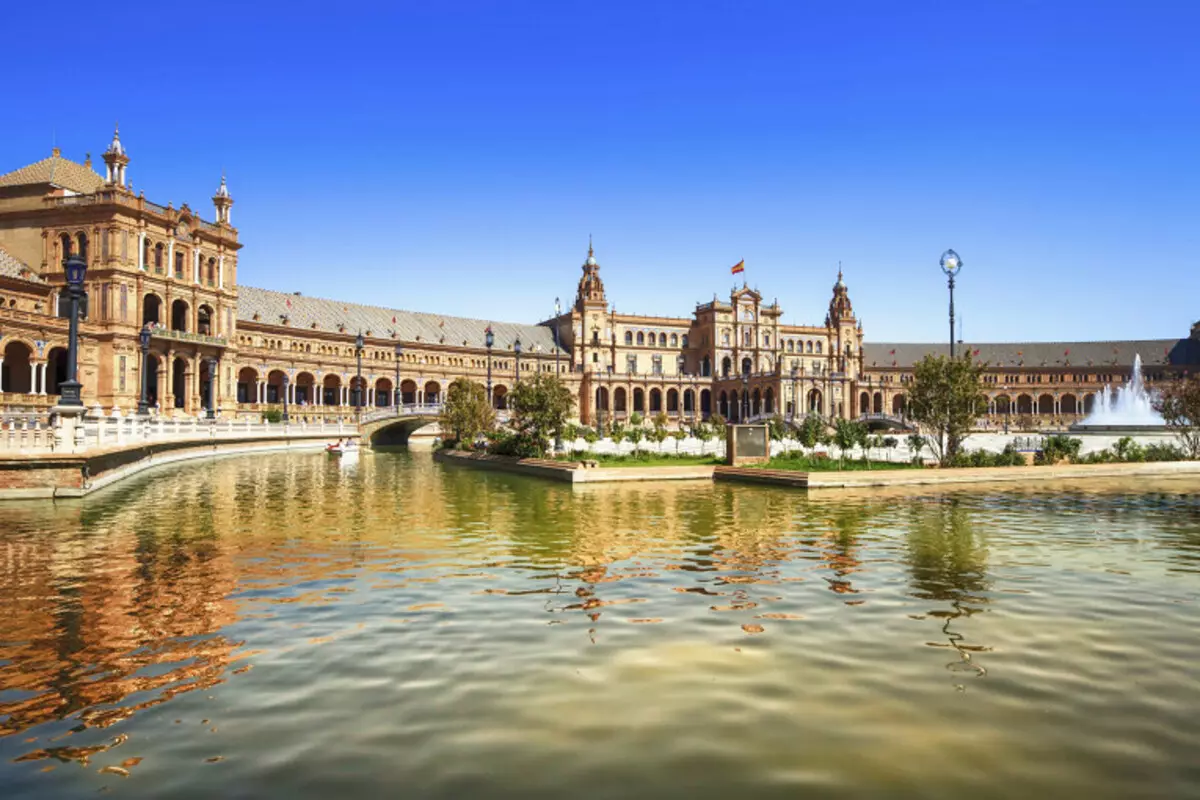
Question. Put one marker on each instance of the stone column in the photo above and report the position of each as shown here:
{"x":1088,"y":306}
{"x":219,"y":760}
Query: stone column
{"x":1,"y":372}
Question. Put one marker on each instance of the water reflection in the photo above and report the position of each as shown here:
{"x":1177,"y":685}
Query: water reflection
{"x":190,"y":627}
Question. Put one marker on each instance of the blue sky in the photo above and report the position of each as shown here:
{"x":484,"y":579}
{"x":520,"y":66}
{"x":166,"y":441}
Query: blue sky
{"x":453,"y":157}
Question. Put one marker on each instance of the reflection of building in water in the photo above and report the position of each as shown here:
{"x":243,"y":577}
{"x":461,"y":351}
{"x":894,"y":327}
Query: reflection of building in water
{"x":91,"y":610}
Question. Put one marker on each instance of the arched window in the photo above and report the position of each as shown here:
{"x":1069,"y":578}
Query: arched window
{"x":210,"y":273}
{"x":818,"y":348}
{"x":748,"y":338}
{"x":66,"y":246}
{"x":808,"y":346}
{"x":747,"y":366}
{"x":641,"y":339}
{"x":83,"y":245}
{"x":791,"y":346}
{"x":158,"y":258}
{"x":674,"y":340}
{"x":628,"y":337}
{"x":683,"y":341}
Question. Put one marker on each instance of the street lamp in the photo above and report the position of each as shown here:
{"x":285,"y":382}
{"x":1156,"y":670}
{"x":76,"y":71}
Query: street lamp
{"x":359,"y":344}
{"x":517,"y":350}
{"x":144,"y":398}
{"x":286,"y":381}
{"x":745,"y":397}
{"x":489,"y":339}
{"x":213,"y":367}
{"x":795,"y":391}
{"x":557,"y":314}
{"x":398,"y":396}
{"x":76,"y":269}
{"x":951,"y":264}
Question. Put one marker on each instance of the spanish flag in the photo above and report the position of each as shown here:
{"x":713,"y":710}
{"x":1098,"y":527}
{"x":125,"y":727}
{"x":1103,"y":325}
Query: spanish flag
{"x":738,"y":267}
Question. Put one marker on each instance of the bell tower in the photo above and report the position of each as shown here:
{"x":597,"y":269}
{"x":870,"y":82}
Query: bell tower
{"x":845,"y":331}
{"x":589,"y":318}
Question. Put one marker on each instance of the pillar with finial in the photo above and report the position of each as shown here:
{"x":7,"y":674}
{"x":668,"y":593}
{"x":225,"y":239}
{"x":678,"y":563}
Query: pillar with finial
{"x":115,"y":160}
{"x":222,"y":202}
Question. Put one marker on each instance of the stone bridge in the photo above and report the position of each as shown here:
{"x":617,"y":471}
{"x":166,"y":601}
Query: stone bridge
{"x":397,"y":424}
{"x":884,"y":422}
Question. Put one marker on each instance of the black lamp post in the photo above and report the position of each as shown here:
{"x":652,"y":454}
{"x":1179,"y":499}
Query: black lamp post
{"x":359,"y":344}
{"x":286,"y":381}
{"x":399,"y":353}
{"x":951,"y":264}
{"x":144,"y":398}
{"x":213,"y":371}
{"x":517,"y":350}
{"x":795,"y":391}
{"x":557,"y":314}
{"x":745,"y":397}
{"x":489,"y":339}
{"x":76,"y":269}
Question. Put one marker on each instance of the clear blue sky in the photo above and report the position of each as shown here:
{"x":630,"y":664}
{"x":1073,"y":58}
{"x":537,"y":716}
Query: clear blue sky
{"x":454,"y":157}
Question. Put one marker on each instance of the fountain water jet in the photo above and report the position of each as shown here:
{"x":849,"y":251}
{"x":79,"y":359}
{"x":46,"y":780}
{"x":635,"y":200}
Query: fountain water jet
{"x":1128,"y":407}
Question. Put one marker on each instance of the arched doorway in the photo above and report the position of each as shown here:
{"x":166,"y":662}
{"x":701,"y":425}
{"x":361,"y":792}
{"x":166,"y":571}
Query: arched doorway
{"x":726,"y":366}
{"x":150,"y":380}
{"x":756,"y":406}
{"x":433,"y":392}
{"x":1046,"y":405}
{"x":639,"y":401}
{"x":1089,"y":402}
{"x":56,"y":371}
{"x":151,"y":310}
{"x":619,"y":400}
{"x":899,"y":405}
{"x":247,"y":385}
{"x":705,"y":402}
{"x":723,"y":405}
{"x":16,"y":373}
{"x":864,"y":403}
{"x":1003,"y":404}
{"x":204,"y":320}
{"x":815,"y":403}
{"x":672,"y":401}
{"x":275,"y":379}
{"x":331,"y":391}
{"x":383,"y":393}
{"x":1069,"y":404}
{"x":179,"y":382}
{"x":655,"y":401}
{"x":303,"y":391}
{"x":408,"y":392}
{"x":1024,"y":404}
{"x":878,"y":405}
{"x":769,"y":401}
{"x":689,"y":401}
{"x":500,"y":397}
{"x":601,"y":398}
{"x":179,"y":316}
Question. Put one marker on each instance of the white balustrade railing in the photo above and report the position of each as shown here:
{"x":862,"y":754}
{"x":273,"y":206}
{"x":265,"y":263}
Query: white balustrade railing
{"x":28,"y":433}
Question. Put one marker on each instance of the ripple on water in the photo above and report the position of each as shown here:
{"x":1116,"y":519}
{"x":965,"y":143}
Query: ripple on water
{"x":281,"y":627}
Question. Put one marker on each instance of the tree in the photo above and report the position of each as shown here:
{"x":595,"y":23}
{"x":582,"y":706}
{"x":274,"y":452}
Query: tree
{"x":540,"y":405}
{"x":846,"y":434}
{"x":659,"y":433}
{"x":945,"y":398}
{"x":466,"y":414}
{"x":811,"y":430}
{"x":1179,"y":404}
{"x":916,"y":443}
{"x":890,"y":442}
{"x":776,"y":428}
{"x":717,"y":421}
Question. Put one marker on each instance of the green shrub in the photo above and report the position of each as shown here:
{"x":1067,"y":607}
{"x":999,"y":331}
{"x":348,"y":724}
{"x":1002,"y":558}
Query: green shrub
{"x":1056,"y":448}
{"x":1126,"y":449}
{"x":589,"y":435}
{"x":272,"y":415}
{"x":1164,"y":452}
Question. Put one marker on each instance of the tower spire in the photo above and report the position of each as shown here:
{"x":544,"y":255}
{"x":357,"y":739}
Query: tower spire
{"x":222,"y":202}
{"x":115,"y":159}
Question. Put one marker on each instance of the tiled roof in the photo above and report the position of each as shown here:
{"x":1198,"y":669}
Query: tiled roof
{"x":410,"y":326}
{"x":11,"y":267}
{"x":57,"y":171}
{"x":1042,"y":354}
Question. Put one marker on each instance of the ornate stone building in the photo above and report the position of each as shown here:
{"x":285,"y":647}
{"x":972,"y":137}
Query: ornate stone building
{"x":169,"y":269}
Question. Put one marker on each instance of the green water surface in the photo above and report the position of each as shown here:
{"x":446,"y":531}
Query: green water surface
{"x":290,"y":626}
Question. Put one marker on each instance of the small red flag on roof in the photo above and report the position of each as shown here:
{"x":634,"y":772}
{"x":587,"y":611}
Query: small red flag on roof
{"x":893,"y":352}
{"x":393,"y":319}
{"x":1067,"y":352}
{"x":289,"y":302}
{"x":738,"y":267}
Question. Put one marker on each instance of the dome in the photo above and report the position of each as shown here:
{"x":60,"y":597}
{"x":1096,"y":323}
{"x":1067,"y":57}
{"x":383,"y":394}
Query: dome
{"x":115,"y":148}
{"x":222,"y":190}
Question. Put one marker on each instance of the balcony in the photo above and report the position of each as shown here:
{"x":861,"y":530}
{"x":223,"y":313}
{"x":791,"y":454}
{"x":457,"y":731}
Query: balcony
{"x":193,"y":338}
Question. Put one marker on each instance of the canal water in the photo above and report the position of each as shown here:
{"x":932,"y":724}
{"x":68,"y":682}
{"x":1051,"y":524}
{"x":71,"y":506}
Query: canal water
{"x":287,"y":626}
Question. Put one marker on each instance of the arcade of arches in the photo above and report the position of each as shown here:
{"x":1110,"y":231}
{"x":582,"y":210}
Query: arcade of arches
{"x":214,"y":341}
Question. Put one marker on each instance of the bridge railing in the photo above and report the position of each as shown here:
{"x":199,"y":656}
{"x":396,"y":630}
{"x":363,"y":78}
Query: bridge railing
{"x":40,"y":433}
{"x":406,"y":410}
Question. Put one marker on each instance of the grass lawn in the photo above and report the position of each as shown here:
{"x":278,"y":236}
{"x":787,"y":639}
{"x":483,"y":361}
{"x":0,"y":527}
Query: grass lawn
{"x":805,"y":463}
{"x":646,"y":460}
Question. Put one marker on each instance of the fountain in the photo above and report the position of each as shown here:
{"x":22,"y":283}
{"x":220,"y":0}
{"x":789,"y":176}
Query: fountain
{"x":1129,"y":407}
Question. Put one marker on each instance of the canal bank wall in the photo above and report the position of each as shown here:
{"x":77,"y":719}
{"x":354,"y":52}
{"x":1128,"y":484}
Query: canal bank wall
{"x":571,"y":471}
{"x":575,"y":473}
{"x":65,"y":475}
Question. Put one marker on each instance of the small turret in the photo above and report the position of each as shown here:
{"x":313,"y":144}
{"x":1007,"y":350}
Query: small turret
{"x":591,"y":288}
{"x":223,"y":202}
{"x":115,"y":160}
